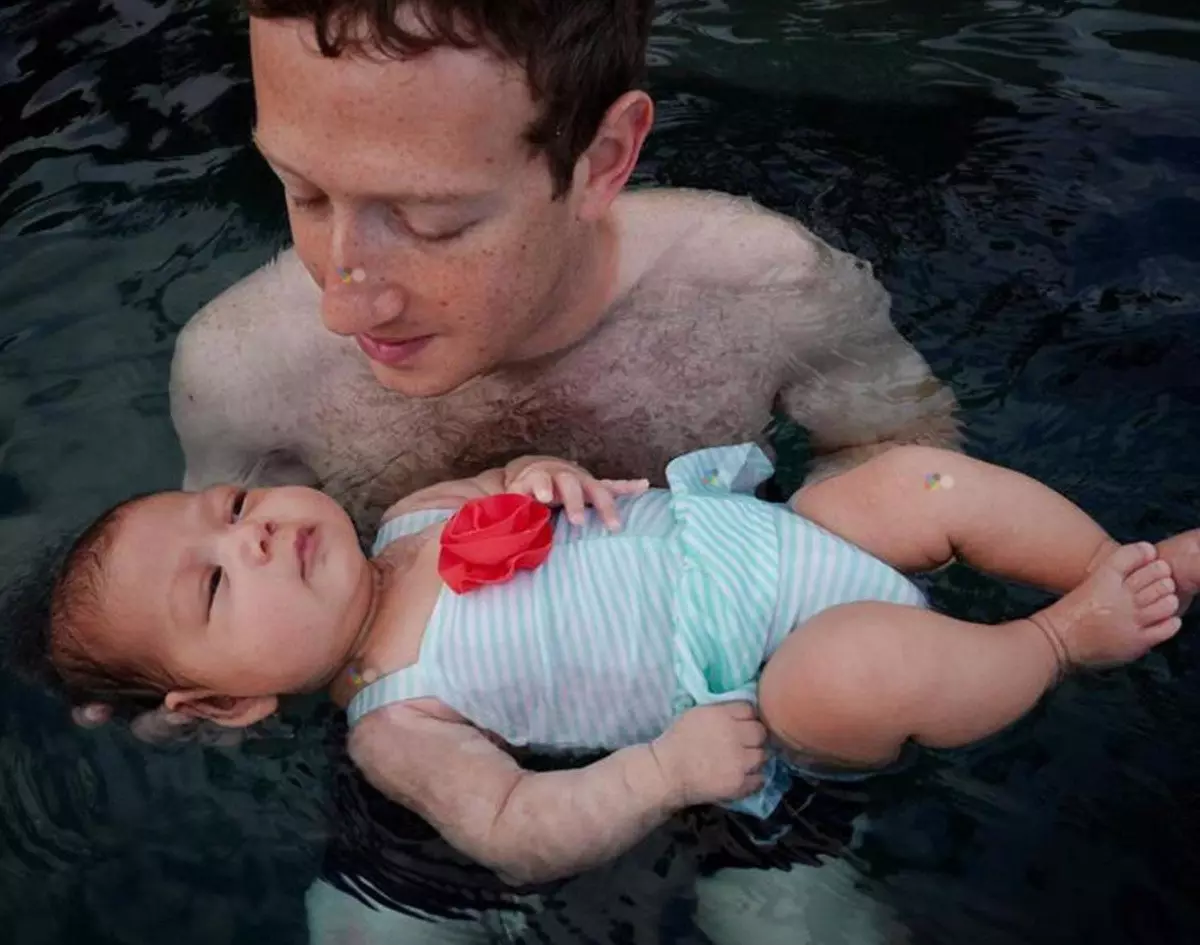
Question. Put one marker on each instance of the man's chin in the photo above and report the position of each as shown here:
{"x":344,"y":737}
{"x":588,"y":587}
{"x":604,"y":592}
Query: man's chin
{"x":419,"y":382}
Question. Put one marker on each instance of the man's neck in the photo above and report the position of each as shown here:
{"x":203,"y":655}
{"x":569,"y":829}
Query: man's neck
{"x":587,"y":292}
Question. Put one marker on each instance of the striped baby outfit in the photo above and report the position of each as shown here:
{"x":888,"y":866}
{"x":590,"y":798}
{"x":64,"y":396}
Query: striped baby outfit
{"x":616,"y":634}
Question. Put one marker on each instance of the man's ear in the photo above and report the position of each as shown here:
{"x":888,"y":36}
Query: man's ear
{"x":229,"y":711}
{"x":605,"y":166}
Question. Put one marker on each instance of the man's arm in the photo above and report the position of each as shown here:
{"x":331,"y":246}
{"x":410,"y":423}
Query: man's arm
{"x":853,"y":381}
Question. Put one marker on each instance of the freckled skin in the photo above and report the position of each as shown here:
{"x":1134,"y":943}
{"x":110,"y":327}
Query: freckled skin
{"x":618,"y":338}
{"x":684,"y":360}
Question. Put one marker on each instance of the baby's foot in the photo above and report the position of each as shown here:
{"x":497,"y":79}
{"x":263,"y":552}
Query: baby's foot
{"x":1126,"y":606}
{"x":1182,"y":553}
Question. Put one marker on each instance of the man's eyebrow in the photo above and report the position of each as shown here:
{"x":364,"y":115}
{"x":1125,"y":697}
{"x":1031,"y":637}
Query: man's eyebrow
{"x":404,"y":197}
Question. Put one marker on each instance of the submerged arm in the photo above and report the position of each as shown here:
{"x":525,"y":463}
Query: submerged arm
{"x":853,"y":381}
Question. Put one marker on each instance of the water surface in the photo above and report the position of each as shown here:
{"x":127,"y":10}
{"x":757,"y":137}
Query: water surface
{"x":1024,"y":176}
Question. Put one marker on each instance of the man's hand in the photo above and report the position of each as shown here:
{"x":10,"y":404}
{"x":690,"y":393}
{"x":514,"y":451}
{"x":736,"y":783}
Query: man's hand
{"x":559,"y":482}
{"x":158,"y":726}
{"x":714,"y":753}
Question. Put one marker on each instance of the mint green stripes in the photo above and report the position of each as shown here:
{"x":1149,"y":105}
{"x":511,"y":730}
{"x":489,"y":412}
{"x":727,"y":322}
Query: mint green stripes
{"x":604,"y":644}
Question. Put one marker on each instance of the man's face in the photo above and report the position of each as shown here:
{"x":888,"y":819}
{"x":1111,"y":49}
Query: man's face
{"x":416,"y":204}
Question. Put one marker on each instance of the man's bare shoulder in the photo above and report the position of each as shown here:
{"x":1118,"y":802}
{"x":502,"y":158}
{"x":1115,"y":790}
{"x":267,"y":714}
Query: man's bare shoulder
{"x":277,"y":301}
{"x":252,"y":354}
{"x":259,"y":336}
{"x":721,"y":239}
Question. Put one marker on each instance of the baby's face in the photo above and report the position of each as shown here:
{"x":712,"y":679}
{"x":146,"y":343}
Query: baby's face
{"x":242,"y":593}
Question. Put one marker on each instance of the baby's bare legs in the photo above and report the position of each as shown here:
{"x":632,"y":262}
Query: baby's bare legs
{"x":918,"y":507}
{"x":856,"y":681}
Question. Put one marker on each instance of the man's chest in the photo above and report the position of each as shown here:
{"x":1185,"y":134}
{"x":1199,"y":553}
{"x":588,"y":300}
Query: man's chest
{"x":622,"y":404}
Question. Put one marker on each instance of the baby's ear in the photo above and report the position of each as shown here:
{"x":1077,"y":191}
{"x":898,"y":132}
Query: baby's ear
{"x":229,"y":711}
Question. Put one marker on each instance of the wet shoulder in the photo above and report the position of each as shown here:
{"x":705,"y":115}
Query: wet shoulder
{"x":243,"y":370}
{"x":277,"y":296}
{"x":720,"y":240}
{"x":259,"y":335}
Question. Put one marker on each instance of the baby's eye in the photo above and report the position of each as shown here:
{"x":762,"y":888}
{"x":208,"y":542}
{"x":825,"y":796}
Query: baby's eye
{"x":239,"y":503}
{"x":214,"y":582}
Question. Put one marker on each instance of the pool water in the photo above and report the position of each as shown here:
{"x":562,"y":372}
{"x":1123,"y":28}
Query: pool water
{"x":1024,"y":176}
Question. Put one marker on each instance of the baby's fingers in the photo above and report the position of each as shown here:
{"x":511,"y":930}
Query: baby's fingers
{"x":536,"y":483}
{"x":570,"y":496}
{"x":754,"y":734}
{"x":602,"y":501}
{"x":626,"y":486}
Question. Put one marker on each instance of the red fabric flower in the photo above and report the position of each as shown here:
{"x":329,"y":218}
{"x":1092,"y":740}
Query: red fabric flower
{"x":488,"y":540}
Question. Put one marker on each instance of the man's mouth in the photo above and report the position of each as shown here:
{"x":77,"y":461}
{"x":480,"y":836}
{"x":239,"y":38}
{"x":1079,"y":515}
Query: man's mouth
{"x":306,"y":547}
{"x":392,"y":353}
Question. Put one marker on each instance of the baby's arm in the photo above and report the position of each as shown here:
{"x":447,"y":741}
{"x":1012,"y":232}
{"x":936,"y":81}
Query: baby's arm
{"x":533,"y":827}
{"x":549,"y":480}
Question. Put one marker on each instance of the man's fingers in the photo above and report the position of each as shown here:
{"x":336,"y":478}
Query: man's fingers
{"x":91,"y":715}
{"x":160,"y":725}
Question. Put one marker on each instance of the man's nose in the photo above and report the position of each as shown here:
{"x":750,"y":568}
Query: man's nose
{"x":355,"y":302}
{"x":360,"y":295}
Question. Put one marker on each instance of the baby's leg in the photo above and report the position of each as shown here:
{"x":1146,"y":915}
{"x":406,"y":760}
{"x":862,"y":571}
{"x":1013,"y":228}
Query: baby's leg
{"x":918,"y":507}
{"x":856,"y":681}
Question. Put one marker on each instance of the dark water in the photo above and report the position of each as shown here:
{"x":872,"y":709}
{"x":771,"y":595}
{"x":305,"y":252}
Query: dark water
{"x":1024,"y":176}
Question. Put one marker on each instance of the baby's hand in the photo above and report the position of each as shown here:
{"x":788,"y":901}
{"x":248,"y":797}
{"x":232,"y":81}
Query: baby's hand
{"x":714,"y":753}
{"x":559,"y":482}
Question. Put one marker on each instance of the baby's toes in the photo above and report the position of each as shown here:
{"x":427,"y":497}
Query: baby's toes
{"x":1148,"y":575}
{"x":1127,"y":559}
{"x":1154,"y":592}
{"x":1160,"y":632}
{"x":1166,"y":606}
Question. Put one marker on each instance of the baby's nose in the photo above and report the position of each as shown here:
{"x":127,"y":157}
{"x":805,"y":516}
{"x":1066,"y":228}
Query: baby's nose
{"x":259,"y":538}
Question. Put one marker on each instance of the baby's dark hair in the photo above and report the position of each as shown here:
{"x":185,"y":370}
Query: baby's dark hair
{"x":82,"y":666}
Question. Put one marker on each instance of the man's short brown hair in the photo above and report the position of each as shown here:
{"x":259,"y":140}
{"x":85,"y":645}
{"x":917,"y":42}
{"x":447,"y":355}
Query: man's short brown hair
{"x":579,"y":56}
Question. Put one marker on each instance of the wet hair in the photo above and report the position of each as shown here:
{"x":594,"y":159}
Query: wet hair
{"x":579,"y":56}
{"x":82,"y":667}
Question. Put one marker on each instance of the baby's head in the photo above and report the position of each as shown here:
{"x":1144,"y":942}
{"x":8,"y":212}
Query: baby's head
{"x":214,"y":603}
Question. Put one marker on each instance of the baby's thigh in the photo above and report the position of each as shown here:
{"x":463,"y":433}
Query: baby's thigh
{"x":845,"y":655}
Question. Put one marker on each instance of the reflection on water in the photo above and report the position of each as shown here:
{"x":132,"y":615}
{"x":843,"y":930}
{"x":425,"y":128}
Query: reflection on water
{"x":1026,"y":179}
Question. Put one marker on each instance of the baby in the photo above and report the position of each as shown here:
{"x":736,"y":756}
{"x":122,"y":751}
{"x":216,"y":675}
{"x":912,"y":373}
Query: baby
{"x":648,"y":626}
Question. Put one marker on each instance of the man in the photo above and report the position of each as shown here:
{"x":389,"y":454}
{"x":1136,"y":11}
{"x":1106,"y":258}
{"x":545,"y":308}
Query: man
{"x":469,"y":282}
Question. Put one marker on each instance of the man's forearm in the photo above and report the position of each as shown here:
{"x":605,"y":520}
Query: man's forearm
{"x":935,"y":424}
